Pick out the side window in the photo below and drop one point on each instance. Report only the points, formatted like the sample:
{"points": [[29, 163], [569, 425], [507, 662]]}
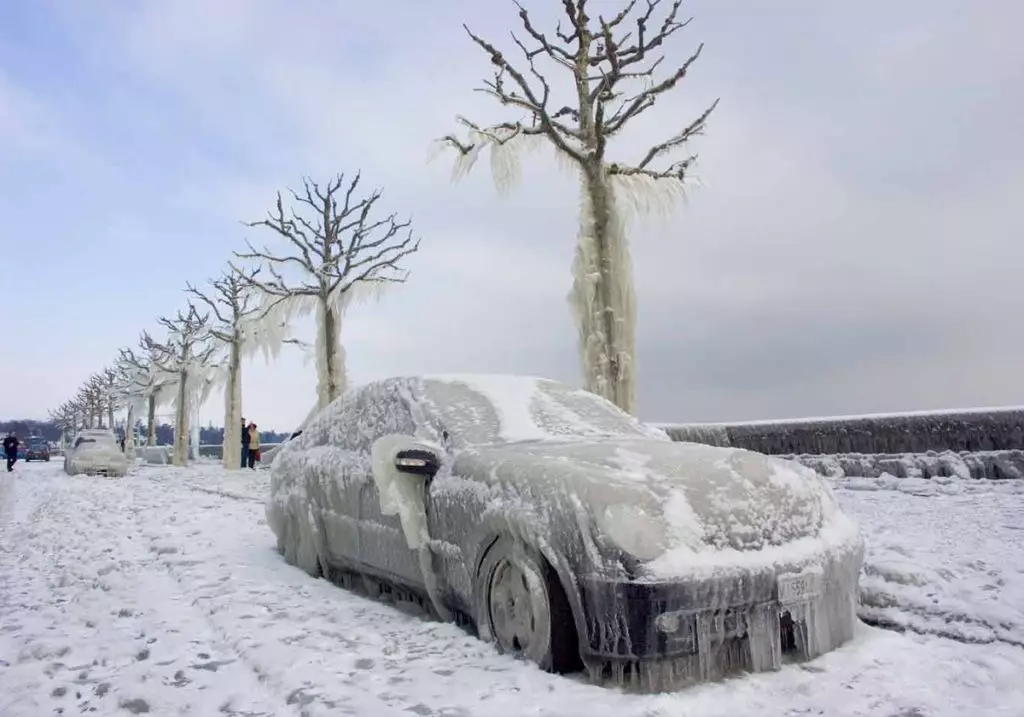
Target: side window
{"points": [[371, 412], [359, 419]]}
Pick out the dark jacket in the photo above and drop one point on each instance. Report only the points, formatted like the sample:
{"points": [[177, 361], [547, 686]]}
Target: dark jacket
{"points": [[245, 435], [11, 446]]}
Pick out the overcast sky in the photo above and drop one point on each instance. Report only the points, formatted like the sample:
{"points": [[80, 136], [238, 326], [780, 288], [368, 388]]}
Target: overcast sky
{"points": [[858, 246]]}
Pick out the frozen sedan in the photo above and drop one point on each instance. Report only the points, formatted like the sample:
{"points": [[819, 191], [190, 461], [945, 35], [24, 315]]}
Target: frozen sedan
{"points": [[96, 451], [567, 532]]}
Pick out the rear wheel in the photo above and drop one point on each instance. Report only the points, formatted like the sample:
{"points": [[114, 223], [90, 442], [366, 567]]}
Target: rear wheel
{"points": [[523, 609]]}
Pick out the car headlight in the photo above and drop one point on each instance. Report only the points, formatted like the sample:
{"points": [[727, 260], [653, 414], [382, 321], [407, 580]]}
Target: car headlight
{"points": [[633, 529]]}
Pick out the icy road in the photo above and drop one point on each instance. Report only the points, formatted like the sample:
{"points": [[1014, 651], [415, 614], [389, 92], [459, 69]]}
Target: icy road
{"points": [[162, 594]]}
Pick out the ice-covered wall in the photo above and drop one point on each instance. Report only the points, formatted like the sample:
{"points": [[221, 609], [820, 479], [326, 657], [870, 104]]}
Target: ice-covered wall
{"points": [[991, 465], [979, 443], [968, 430]]}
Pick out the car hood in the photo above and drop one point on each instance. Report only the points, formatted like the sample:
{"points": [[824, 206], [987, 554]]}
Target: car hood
{"points": [[685, 494]]}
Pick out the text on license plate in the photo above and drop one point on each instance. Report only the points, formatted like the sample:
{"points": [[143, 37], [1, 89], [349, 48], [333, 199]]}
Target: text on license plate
{"points": [[799, 587]]}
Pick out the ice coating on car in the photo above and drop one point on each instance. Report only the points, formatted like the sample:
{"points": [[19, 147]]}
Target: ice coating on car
{"points": [[95, 451], [678, 562]]}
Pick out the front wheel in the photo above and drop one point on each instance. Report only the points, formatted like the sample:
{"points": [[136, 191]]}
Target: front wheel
{"points": [[522, 608]]}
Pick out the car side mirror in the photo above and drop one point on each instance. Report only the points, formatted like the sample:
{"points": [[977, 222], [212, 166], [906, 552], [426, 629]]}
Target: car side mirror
{"points": [[417, 461]]}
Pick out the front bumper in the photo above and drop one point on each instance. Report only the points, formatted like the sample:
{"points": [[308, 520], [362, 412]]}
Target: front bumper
{"points": [[681, 632]]}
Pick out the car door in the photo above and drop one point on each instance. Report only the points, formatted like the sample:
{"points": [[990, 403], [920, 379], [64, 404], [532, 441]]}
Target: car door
{"points": [[378, 410]]}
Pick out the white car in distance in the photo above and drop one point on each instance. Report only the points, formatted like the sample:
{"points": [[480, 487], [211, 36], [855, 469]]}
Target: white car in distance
{"points": [[96, 451]]}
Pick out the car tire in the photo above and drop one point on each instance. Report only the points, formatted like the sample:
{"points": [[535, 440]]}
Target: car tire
{"points": [[522, 607]]}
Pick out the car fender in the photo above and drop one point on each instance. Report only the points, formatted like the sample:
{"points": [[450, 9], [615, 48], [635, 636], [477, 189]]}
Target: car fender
{"points": [[515, 525]]}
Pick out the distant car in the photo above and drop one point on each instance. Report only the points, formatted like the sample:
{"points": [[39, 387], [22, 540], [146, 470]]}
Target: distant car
{"points": [[568, 532], [22, 451], [36, 450], [96, 451]]}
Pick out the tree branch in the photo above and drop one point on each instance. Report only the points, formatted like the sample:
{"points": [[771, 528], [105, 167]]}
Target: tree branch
{"points": [[339, 242], [612, 63]]}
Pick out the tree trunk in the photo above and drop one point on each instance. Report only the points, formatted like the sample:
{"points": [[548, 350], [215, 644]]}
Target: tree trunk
{"points": [[181, 422], [602, 296], [110, 415], [151, 420], [129, 431], [330, 355], [231, 446]]}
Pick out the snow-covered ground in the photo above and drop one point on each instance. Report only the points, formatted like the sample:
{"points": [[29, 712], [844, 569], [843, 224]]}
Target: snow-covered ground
{"points": [[161, 593]]}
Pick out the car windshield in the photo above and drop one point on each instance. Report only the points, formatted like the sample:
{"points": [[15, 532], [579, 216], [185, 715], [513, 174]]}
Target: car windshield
{"points": [[487, 410]]}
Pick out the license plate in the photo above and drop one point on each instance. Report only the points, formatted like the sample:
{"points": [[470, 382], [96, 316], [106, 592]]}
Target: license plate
{"points": [[799, 587]]}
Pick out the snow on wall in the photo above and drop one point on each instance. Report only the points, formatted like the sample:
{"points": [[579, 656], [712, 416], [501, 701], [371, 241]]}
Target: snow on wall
{"points": [[972, 443], [990, 465], [970, 430]]}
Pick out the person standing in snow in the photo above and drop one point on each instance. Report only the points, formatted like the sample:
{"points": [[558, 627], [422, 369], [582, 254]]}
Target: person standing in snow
{"points": [[11, 450], [254, 445], [245, 444]]}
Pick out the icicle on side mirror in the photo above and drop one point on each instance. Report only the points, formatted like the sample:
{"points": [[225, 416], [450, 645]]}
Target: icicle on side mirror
{"points": [[417, 461]]}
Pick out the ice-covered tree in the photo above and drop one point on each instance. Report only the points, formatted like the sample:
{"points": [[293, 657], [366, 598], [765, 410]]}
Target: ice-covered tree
{"points": [[111, 393], [66, 416], [336, 249], [613, 64], [239, 326], [142, 383], [185, 356], [139, 385]]}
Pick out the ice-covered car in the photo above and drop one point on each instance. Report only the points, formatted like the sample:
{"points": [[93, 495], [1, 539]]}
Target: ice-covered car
{"points": [[96, 451], [566, 531]]}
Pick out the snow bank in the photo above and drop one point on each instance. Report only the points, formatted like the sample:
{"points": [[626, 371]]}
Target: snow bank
{"points": [[943, 555]]}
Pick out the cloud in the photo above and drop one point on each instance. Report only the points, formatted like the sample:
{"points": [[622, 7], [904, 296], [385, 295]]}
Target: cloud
{"points": [[854, 248]]}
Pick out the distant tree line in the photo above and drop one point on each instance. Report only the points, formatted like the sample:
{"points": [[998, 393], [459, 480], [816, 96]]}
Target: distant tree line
{"points": [[23, 428]]}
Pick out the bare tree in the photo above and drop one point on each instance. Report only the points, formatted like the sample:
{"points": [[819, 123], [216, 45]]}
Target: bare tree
{"points": [[91, 396], [237, 313], [614, 66], [184, 355], [67, 417], [336, 251]]}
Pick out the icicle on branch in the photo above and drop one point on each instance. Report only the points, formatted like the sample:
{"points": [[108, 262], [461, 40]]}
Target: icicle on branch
{"points": [[234, 302], [186, 355]]}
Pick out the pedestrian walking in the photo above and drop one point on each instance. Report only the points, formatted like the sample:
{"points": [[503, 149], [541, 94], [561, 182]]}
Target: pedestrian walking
{"points": [[11, 450]]}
